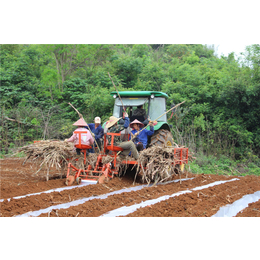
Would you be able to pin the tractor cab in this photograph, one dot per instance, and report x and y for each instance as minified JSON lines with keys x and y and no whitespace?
{"x":152,"y":103}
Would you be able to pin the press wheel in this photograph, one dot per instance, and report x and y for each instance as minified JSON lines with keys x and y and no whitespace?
{"x":69,"y":181}
{"x":78,"y":180}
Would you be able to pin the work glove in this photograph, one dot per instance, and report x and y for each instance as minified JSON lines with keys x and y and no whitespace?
{"x":66,"y":140}
{"x":125,"y":114}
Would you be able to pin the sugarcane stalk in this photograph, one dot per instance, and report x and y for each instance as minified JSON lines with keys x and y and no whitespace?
{"x":117,"y":91}
{"x":80,"y":115}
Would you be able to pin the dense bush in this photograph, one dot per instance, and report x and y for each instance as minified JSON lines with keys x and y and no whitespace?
{"x":221,"y":115}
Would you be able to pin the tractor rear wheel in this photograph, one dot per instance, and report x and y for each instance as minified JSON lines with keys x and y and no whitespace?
{"x":162,"y":137}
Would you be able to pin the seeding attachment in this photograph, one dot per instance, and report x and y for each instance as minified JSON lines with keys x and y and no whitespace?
{"x":70,"y":180}
{"x":103,"y":171}
{"x":100,"y":173}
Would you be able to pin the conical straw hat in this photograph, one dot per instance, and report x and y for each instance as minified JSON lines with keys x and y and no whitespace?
{"x":80,"y":122}
{"x":112,"y":120}
{"x":136,"y":122}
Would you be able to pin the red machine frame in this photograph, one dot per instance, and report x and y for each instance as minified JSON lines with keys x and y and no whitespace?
{"x":107,"y":171}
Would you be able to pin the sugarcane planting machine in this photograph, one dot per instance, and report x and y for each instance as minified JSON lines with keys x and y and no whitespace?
{"x":108,"y":164}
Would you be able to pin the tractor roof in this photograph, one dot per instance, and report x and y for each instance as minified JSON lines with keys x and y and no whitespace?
{"x":139,"y":94}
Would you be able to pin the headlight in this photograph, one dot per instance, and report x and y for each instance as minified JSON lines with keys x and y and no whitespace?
{"x":114,"y":96}
{"x":152,"y":96}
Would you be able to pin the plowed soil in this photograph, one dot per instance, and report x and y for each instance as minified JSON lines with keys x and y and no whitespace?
{"x":18,"y":180}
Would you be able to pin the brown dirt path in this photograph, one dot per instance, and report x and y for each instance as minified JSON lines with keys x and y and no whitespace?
{"x":17,"y":179}
{"x":253,"y":210}
{"x":202,"y":203}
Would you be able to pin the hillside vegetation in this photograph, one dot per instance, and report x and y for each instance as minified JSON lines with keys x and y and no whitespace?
{"x":220,"y":120}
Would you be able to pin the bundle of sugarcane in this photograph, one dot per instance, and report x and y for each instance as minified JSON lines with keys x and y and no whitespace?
{"x":91,"y":159}
{"x":119,"y":159}
{"x":159,"y":163}
{"x":49,"y":154}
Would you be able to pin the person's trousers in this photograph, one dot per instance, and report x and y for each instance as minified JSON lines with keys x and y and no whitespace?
{"x":139,"y":147}
{"x":78,"y":151}
{"x":95,"y":145}
{"x":128,"y":147}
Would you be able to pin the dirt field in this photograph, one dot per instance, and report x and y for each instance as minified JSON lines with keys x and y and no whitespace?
{"x":96,"y":200}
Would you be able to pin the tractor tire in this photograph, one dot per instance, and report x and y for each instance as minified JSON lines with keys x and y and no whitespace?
{"x":162,"y":137}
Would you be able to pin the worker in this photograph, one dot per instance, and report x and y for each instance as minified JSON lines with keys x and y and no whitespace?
{"x":139,"y":111}
{"x":87,"y":139}
{"x":117,"y":125}
{"x":140,"y":114}
{"x":97,"y":132}
{"x":140,"y":137}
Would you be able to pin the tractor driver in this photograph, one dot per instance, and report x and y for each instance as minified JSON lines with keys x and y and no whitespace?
{"x":139,"y":111}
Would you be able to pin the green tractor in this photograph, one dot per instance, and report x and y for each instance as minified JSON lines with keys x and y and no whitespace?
{"x":154,"y":103}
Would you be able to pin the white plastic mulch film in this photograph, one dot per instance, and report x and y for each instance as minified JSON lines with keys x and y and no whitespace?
{"x":123,"y":211}
{"x":53,"y":190}
{"x":75,"y":202}
{"x":227,"y":211}
{"x":231,"y":210}
{"x":81,"y":201}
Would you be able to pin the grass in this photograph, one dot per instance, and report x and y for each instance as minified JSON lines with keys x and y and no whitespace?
{"x":225,"y":166}
{"x":17,"y":155}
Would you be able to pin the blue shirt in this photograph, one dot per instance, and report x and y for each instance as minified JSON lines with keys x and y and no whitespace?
{"x":99,"y":131}
{"x":143,"y":136}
